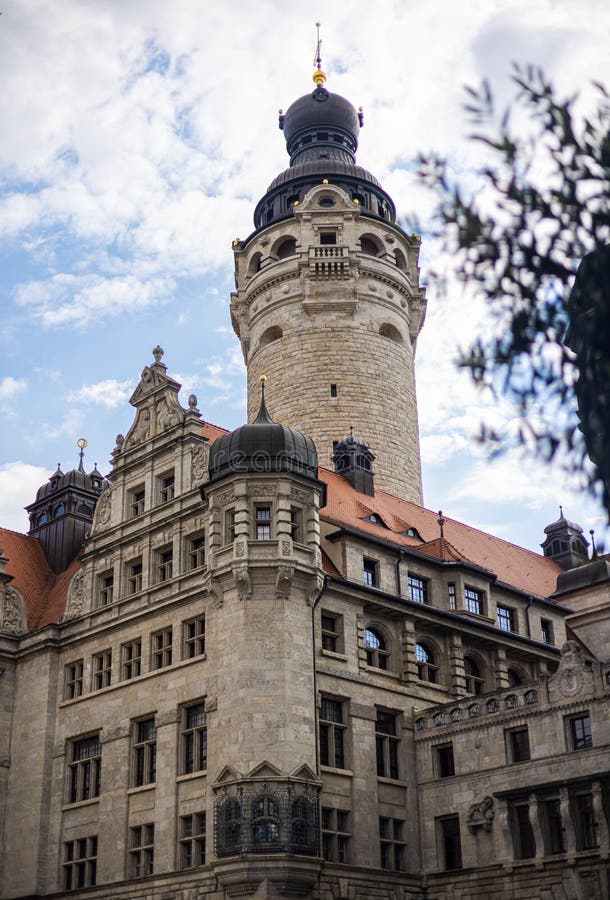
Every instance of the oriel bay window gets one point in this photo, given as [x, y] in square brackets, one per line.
[84, 769]
[386, 743]
[332, 733]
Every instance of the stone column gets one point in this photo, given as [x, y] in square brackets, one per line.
[456, 664]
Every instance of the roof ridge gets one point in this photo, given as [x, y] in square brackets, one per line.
[20, 534]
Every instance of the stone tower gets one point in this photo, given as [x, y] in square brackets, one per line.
[328, 303]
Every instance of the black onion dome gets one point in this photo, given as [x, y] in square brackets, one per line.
[320, 110]
[263, 446]
[75, 478]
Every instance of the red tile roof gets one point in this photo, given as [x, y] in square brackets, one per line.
[30, 570]
[523, 569]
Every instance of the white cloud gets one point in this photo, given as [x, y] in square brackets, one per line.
[10, 387]
[109, 393]
[70, 425]
[19, 482]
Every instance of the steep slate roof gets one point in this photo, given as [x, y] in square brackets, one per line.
[523, 569]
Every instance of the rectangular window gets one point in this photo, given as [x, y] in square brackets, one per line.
[105, 587]
[84, 769]
[161, 648]
[165, 564]
[332, 632]
[73, 680]
[144, 752]
[523, 834]
[546, 631]
[451, 595]
[191, 846]
[392, 843]
[131, 659]
[418, 589]
[370, 572]
[473, 600]
[386, 741]
[332, 733]
[445, 763]
[136, 502]
[333, 390]
[196, 551]
[194, 739]
[551, 827]
[101, 670]
[517, 745]
[141, 850]
[578, 732]
[166, 487]
[450, 843]
[134, 576]
[336, 834]
[296, 528]
[586, 826]
[80, 863]
[328, 237]
[229, 526]
[193, 637]
[263, 523]
[506, 618]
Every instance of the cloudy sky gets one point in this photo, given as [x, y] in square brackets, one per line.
[138, 136]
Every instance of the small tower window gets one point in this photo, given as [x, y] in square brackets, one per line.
[333, 393]
[263, 523]
[328, 237]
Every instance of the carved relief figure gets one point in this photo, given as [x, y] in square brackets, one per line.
[13, 616]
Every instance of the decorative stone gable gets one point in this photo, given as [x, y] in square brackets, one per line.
[156, 402]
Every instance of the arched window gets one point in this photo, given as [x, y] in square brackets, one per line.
[254, 264]
[59, 510]
[42, 519]
[265, 820]
[474, 679]
[377, 654]
[286, 247]
[369, 245]
[427, 670]
[400, 260]
[514, 677]
[390, 331]
[271, 334]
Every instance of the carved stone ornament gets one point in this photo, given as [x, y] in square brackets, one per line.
[299, 495]
[214, 590]
[285, 548]
[200, 458]
[283, 581]
[103, 510]
[243, 582]
[76, 597]
[570, 669]
[481, 815]
[225, 497]
[141, 429]
[13, 615]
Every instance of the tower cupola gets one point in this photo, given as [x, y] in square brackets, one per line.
[565, 543]
[354, 460]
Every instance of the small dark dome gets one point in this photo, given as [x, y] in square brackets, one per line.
[321, 109]
[263, 446]
[75, 478]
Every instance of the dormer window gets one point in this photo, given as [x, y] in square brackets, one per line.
[375, 519]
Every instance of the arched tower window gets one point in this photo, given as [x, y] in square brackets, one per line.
[254, 264]
[474, 678]
[59, 510]
[42, 519]
[285, 248]
[274, 333]
[401, 262]
[370, 245]
[390, 331]
[427, 670]
[377, 653]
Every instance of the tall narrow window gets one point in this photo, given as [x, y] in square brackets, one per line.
[84, 769]
[451, 595]
[377, 653]
[587, 836]
[445, 763]
[370, 572]
[518, 744]
[506, 618]
[523, 833]
[101, 670]
[474, 680]
[136, 502]
[141, 850]
[161, 648]
[196, 552]
[392, 843]
[73, 680]
[386, 742]
[546, 631]
[229, 526]
[336, 834]
[166, 487]
[427, 670]
[473, 600]
[193, 637]
[418, 589]
[552, 828]
[333, 390]
[165, 564]
[332, 632]
[263, 523]
[194, 739]
[578, 732]
[134, 576]
[105, 588]
[131, 659]
[192, 840]
[80, 863]
[450, 842]
[332, 733]
[144, 752]
[296, 527]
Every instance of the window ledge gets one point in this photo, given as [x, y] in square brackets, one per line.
[190, 776]
[141, 788]
[332, 770]
[333, 655]
[397, 781]
[80, 803]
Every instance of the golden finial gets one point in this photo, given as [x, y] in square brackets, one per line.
[318, 76]
[235, 242]
[296, 202]
[356, 201]
[325, 181]
[263, 378]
